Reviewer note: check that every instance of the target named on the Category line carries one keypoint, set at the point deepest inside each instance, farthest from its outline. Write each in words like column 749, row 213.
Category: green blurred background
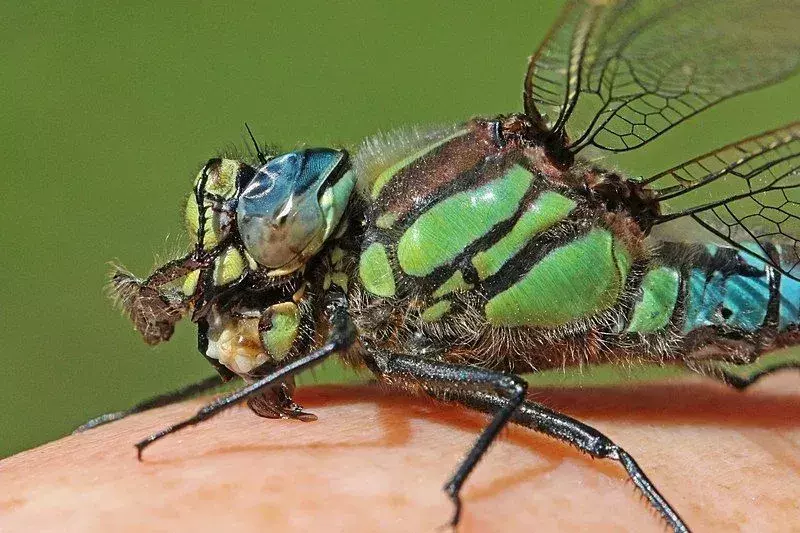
column 107, row 113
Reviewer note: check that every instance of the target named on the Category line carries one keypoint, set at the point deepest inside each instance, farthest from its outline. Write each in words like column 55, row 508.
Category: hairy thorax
column 473, row 249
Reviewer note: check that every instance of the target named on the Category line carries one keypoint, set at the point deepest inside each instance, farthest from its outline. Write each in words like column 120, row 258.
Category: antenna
column 261, row 157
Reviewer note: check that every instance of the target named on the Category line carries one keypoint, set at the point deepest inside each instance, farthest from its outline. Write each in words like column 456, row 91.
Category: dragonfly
column 450, row 260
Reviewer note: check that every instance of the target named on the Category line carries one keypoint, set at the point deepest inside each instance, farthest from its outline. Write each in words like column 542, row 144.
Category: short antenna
column 261, row 156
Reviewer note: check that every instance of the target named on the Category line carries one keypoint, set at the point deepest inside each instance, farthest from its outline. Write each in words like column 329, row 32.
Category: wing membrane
column 618, row 74
column 746, row 191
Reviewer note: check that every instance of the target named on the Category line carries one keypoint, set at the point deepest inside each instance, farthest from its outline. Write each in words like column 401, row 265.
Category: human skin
column 376, row 461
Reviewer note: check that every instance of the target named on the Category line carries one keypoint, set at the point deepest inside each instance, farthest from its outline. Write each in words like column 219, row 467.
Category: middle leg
column 438, row 376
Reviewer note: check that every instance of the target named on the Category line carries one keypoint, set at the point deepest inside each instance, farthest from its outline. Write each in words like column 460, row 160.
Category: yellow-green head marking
column 210, row 206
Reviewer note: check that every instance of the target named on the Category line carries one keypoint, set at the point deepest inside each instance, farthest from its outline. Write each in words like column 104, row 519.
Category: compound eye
column 291, row 206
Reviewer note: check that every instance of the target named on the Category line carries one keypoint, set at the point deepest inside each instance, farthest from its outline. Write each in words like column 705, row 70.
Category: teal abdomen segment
column 704, row 298
column 577, row 280
column 747, row 297
column 733, row 300
column 447, row 228
column 740, row 294
column 790, row 297
column 790, row 303
column 659, row 294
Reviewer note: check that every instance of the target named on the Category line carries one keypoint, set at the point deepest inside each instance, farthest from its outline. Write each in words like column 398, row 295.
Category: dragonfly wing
column 748, row 191
column 618, row 74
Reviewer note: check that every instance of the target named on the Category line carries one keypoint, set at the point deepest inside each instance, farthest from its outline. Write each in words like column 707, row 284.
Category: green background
column 107, row 113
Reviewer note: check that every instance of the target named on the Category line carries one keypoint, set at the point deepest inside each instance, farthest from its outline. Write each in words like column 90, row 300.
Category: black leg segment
column 742, row 382
column 161, row 400
column 579, row 435
column 509, row 389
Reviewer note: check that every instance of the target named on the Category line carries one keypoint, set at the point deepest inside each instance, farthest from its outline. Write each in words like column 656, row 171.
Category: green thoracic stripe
column 442, row 232
column 436, row 311
column 375, row 271
column 659, row 295
column 385, row 176
column 455, row 283
column 549, row 208
column 573, row 281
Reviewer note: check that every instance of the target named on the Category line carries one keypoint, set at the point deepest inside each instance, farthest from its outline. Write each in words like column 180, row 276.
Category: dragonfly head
column 281, row 212
column 276, row 217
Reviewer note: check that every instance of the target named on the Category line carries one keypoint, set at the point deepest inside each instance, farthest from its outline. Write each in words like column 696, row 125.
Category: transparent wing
column 744, row 192
column 617, row 74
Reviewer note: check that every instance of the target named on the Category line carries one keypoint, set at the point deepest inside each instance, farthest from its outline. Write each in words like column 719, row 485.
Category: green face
column 216, row 185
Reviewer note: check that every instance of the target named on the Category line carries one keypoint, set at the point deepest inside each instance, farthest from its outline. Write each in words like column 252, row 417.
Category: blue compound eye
column 292, row 205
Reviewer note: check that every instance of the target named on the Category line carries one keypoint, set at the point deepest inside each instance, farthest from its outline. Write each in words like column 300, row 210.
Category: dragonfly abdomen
column 708, row 292
column 732, row 289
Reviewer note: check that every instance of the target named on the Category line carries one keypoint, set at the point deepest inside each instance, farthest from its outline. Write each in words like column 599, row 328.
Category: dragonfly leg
column 341, row 336
column 741, row 382
column 566, row 429
column 438, row 376
column 161, row 400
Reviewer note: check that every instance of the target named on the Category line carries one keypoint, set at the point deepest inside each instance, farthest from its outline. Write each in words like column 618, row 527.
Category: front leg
column 437, row 377
column 341, row 337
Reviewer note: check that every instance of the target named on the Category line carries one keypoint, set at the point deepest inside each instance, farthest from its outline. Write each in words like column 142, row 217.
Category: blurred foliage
column 109, row 111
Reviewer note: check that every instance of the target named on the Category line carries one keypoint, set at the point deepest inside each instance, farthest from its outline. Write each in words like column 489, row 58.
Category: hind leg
column 570, row 431
column 741, row 382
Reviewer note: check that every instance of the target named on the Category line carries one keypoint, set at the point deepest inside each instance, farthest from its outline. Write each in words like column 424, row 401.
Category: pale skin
column 376, row 461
